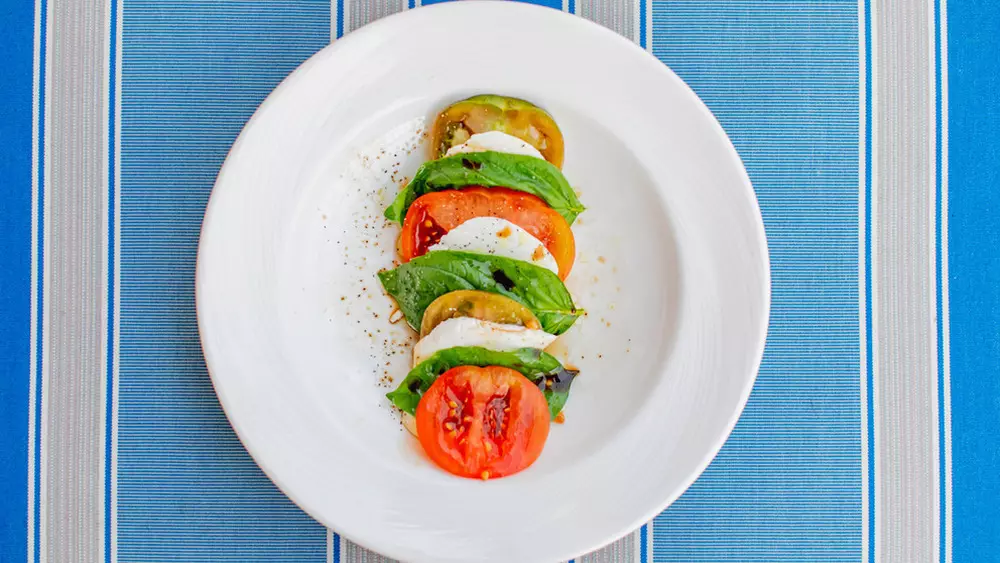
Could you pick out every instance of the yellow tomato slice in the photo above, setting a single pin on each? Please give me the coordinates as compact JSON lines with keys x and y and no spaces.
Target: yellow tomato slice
{"x":513,"y":116}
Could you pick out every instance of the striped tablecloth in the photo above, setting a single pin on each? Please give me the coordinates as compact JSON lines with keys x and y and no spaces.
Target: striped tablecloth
{"x":868,"y":130}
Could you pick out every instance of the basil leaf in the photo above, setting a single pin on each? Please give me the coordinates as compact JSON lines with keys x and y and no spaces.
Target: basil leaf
{"x":515,"y":171}
{"x":534,"y":364}
{"x":555,"y":387}
{"x":415,"y":284}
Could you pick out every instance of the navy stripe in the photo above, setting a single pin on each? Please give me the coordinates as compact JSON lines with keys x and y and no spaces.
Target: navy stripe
{"x":974,"y":271}
{"x":16,"y":76}
{"x":642,"y":23}
{"x":938,"y":201}
{"x":643,"y":540}
{"x":340,"y":18}
{"x":869,"y":360}
{"x":39,"y":288}
{"x":112,"y":276}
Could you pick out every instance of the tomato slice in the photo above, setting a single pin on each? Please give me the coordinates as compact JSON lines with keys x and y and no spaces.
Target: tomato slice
{"x":483,"y":422}
{"x":434,"y":214}
{"x":513,"y":116}
{"x":481,"y":305}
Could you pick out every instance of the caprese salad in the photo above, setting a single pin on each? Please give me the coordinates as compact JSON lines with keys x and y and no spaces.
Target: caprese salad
{"x":484,"y":249}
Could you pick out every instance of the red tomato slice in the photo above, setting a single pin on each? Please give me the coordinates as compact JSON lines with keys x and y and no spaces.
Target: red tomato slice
{"x":483,"y":422}
{"x":434,"y":214}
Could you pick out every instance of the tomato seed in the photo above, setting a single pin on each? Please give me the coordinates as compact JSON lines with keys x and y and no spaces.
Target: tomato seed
{"x":485,"y":475}
{"x":449,"y":425}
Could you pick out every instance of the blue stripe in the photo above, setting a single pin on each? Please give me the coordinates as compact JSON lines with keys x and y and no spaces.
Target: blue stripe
{"x":869,"y":363}
{"x":16,"y":79}
{"x":39,"y":288}
{"x":643,"y":6}
{"x":783,"y":78}
{"x":192,"y":74}
{"x":643,"y":541}
{"x":938,"y":202}
{"x":336,"y":548}
{"x":974,"y":270}
{"x":340,"y":18}
{"x":112,"y":277}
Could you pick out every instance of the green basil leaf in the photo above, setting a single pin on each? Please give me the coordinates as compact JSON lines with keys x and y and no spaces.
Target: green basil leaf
{"x":492,"y":169}
{"x":534,"y":364}
{"x":415,"y":284}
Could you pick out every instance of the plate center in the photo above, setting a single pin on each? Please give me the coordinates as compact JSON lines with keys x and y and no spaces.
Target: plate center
{"x":335,"y":319}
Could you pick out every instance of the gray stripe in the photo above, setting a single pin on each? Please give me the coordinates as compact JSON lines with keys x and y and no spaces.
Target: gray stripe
{"x":356,"y":554}
{"x":361,"y":12}
{"x":621,"y":551}
{"x":903,"y":290}
{"x":617,"y":15}
{"x":76,"y":253}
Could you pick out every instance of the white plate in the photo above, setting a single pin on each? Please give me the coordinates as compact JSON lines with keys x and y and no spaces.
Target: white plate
{"x":672,"y":268}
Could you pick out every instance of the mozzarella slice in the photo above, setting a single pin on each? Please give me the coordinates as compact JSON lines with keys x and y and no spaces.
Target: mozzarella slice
{"x":492,"y":235}
{"x":495,"y":141}
{"x":467,"y":331}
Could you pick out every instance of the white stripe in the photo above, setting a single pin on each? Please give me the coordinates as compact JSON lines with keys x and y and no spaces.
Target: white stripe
{"x":346,"y":15}
{"x":33,"y":347}
{"x":945,"y":326}
{"x":862,"y":286}
{"x":565,"y":5}
{"x":329,"y":546}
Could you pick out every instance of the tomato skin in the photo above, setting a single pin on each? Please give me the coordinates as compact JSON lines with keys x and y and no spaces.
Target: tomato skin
{"x":513,"y":116}
{"x":434,"y":214}
{"x":477,"y":304}
{"x":483,"y":423}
